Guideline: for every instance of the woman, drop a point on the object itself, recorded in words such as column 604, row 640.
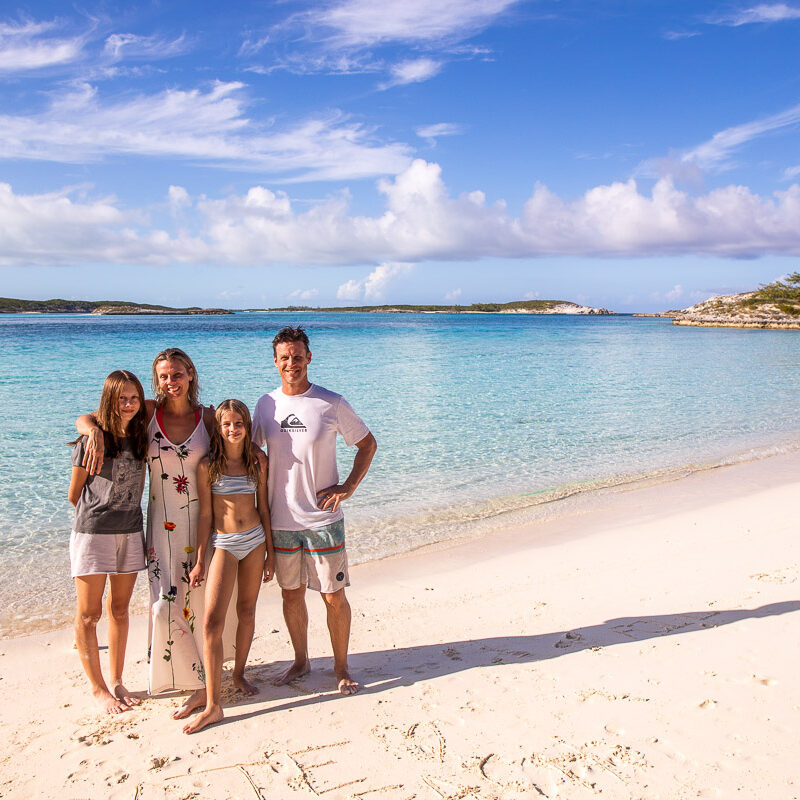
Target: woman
column 178, row 429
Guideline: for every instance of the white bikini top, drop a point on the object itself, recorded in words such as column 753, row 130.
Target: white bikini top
column 233, row 484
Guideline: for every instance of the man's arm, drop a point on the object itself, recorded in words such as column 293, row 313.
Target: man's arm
column 329, row 499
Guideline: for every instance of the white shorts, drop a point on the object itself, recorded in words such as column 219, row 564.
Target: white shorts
column 106, row 553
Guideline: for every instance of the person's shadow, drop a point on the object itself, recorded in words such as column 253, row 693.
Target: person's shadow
column 380, row 670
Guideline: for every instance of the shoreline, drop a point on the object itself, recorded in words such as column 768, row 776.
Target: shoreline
column 643, row 647
column 436, row 528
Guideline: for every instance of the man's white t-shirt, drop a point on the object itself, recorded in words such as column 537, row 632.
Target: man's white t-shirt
column 300, row 434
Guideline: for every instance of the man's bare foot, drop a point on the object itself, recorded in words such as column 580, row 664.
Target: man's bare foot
column 208, row 717
column 121, row 693
column 109, row 703
column 244, row 685
column 346, row 684
column 196, row 699
column 297, row 670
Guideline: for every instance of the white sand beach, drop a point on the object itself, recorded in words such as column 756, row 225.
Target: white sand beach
column 642, row 645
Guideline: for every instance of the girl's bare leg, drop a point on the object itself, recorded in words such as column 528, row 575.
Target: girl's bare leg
column 251, row 570
column 119, row 598
column 89, row 589
column 219, row 588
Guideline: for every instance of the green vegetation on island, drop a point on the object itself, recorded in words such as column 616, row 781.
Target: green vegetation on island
column 784, row 295
column 516, row 306
column 10, row 305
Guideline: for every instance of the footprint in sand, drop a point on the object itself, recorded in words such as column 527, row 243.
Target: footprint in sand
column 786, row 575
column 423, row 740
column 569, row 639
column 535, row 776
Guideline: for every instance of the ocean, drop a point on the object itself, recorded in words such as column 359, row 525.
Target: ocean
column 481, row 419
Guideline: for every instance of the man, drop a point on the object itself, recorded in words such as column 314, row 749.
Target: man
column 298, row 422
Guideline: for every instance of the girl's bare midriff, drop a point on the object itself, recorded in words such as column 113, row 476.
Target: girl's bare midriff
column 234, row 513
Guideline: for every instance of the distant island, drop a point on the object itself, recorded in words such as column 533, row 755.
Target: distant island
column 10, row 305
column 775, row 305
column 514, row 307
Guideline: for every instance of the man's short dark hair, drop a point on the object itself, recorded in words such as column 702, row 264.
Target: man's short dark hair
column 288, row 335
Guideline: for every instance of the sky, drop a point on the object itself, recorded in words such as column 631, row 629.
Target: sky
column 639, row 156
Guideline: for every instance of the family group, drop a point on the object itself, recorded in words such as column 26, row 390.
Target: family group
column 222, row 516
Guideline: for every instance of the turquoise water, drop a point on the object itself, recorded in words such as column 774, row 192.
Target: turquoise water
column 475, row 415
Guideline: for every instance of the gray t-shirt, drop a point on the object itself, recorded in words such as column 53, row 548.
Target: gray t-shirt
column 111, row 501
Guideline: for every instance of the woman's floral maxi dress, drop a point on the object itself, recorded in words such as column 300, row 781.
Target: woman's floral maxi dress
column 175, row 650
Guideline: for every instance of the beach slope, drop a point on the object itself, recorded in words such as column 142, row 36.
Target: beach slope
column 643, row 645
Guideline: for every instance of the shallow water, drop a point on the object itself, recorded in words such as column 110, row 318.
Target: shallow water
column 475, row 415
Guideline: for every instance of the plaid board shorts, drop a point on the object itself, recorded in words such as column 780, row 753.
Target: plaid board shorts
column 316, row 558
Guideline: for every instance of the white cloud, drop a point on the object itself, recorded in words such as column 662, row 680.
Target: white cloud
column 421, row 221
column 675, row 292
column 365, row 23
column 790, row 173
column 352, row 290
column 129, row 45
column 55, row 229
column 340, row 36
column 452, row 297
column 433, row 132
column 677, row 35
column 303, row 294
column 24, row 47
column 178, row 199
column 209, row 126
column 715, row 152
column 373, row 287
column 413, row 71
column 765, row 12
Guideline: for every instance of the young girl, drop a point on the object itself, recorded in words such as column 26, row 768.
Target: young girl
column 107, row 538
column 234, row 516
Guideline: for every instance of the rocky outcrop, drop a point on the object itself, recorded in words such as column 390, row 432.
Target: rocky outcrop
column 745, row 310
column 558, row 308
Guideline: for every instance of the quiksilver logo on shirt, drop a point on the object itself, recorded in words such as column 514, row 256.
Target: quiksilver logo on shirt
column 292, row 424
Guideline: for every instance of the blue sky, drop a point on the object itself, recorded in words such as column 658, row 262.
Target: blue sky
column 637, row 156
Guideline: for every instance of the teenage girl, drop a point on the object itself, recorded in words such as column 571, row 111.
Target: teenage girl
column 234, row 523
column 107, row 539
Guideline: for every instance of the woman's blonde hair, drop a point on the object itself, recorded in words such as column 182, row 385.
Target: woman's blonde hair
column 217, row 460
column 176, row 354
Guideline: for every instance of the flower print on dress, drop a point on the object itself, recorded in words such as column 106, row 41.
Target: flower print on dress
column 176, row 641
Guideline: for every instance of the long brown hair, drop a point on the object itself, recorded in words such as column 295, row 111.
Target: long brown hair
column 110, row 422
column 217, row 460
column 176, row 354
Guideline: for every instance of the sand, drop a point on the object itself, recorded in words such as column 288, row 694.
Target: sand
column 642, row 645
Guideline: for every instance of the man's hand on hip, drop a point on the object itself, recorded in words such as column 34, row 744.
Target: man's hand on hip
column 329, row 499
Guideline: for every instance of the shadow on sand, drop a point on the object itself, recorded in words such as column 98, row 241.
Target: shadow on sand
column 380, row 670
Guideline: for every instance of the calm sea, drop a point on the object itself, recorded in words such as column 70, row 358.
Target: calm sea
column 476, row 415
